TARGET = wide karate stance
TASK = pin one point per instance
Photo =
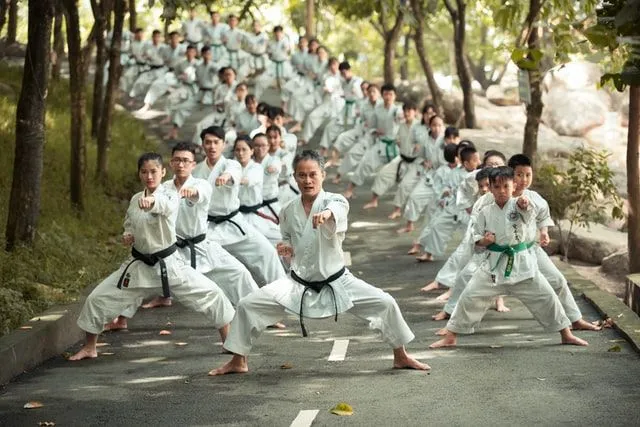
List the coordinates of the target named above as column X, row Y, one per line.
column 313, row 227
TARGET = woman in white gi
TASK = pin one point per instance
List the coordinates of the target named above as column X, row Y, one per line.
column 250, row 193
column 287, row 185
column 150, row 227
column 506, row 230
column 272, row 168
column 313, row 228
column 226, row 225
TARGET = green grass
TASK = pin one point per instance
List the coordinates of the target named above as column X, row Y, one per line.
column 71, row 251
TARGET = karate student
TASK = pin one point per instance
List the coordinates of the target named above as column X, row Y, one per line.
column 448, row 216
column 246, row 120
column 206, row 76
column 257, row 47
column 386, row 122
column 192, row 29
column 150, row 228
column 213, row 35
column 504, row 230
column 250, row 193
column 205, row 255
column 232, row 39
column 272, row 168
column 279, row 50
column 154, row 56
column 226, row 226
column 313, row 228
column 392, row 172
column 222, row 96
column 137, row 62
column 287, row 185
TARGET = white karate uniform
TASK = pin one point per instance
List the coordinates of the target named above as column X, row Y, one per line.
column 250, row 196
column 236, row 235
column 344, row 118
column 154, row 55
column 192, row 30
column 511, row 226
column 211, row 259
column 213, row 37
column 412, row 172
column 256, row 45
column 174, row 59
column 332, row 103
column 153, row 230
column 222, row 95
column 137, row 64
column 271, row 205
column 288, row 187
column 206, row 79
column 317, row 255
column 183, row 99
column 233, row 39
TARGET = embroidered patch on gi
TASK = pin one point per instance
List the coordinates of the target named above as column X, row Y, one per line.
column 513, row 216
column 125, row 282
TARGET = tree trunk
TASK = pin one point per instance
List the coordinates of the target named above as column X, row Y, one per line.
column 100, row 13
column 104, row 134
column 389, row 56
column 58, row 41
column 462, row 67
column 77, row 72
column 24, row 202
column 133, row 16
column 12, row 25
column 309, row 18
column 534, row 109
column 418, row 38
column 4, row 5
column 404, row 67
column 633, row 179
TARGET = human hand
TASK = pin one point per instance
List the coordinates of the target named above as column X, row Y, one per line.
column 320, row 218
column 188, row 193
column 272, row 169
column 244, row 181
column 523, row 203
column 128, row 239
column 488, row 239
column 223, row 179
column 146, row 203
column 544, row 238
column 284, row 249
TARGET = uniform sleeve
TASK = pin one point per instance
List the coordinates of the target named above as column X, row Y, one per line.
column 339, row 207
column 166, row 203
column 466, row 192
column 235, row 170
column 204, row 192
column 543, row 213
column 128, row 226
column 255, row 176
column 480, row 226
column 285, row 229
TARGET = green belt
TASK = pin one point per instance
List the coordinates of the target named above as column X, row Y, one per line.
column 279, row 69
column 510, row 252
column 348, row 109
column 391, row 148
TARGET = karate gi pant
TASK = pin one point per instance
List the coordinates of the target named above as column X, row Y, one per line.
column 260, row 309
column 145, row 80
column 457, row 261
column 315, row 119
column 374, row 158
column 559, row 284
column 129, row 76
column 160, row 87
column 462, row 279
column 353, row 158
column 347, row 139
column 422, row 197
column 408, row 182
column 267, row 228
column 389, row 175
column 196, row 291
column 437, row 235
column 535, row 293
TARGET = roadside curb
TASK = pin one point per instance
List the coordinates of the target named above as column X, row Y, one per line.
column 625, row 320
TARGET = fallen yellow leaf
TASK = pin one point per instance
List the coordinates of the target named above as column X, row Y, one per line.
column 615, row 349
column 286, row 365
column 165, row 332
column 33, row 405
column 26, row 328
column 342, row 409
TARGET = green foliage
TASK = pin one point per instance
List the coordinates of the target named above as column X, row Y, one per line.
column 70, row 252
column 582, row 193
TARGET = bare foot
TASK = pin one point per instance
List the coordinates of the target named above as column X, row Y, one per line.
column 395, row 214
column 237, row 365
column 444, row 297
column 573, row 340
column 371, row 205
column 336, row 179
column 158, row 302
column 405, row 229
column 348, row 194
column 442, row 315
column 500, row 307
column 449, row 340
column 426, row 257
column 166, row 120
column 583, row 325
column 402, row 360
column 431, row 286
column 415, row 249
column 278, row 325
column 116, row 324
column 442, row 332
column 86, row 352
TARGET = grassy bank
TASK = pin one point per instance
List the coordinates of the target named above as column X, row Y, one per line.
column 71, row 251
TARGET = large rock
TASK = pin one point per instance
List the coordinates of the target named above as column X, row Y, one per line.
column 592, row 245
column 576, row 75
column 503, row 96
column 452, row 105
column 574, row 112
column 616, row 264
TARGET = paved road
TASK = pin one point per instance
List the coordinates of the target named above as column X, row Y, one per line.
column 509, row 373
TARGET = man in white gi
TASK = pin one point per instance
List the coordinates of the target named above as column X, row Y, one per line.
column 225, row 225
column 232, row 39
column 213, row 35
column 313, row 228
column 192, row 29
column 154, row 55
column 137, row 62
column 206, row 76
column 222, row 97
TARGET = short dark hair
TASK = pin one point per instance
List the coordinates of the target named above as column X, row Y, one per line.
column 149, row 157
column 192, row 46
column 483, row 174
column 274, row 128
column 249, row 98
column 216, row 131
column 156, row 32
column 174, row 33
column 388, row 87
column 333, row 60
column 450, row 131
column 139, row 30
column 277, row 29
column 409, row 106
column 435, row 116
column 428, row 106
column 184, row 146
column 519, row 160
column 243, row 84
column 450, row 153
column 258, row 135
column 204, row 49
column 493, row 153
column 263, row 108
column 243, row 138
column 274, row 112
column 308, row 155
column 344, row 65
column 500, row 173
column 466, row 153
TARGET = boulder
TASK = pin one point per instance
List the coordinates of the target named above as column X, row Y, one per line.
column 616, row 264
column 576, row 75
column 503, row 96
column 592, row 245
column 574, row 112
column 452, row 105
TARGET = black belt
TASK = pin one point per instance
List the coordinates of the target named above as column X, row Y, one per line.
column 250, row 209
column 268, row 203
column 300, row 74
column 205, row 89
column 294, row 189
column 219, row 219
column 405, row 159
column 317, row 287
column 191, row 243
column 150, row 260
column 156, row 67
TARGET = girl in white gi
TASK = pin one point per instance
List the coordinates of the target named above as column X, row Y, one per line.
column 386, row 122
column 250, row 193
column 313, row 228
column 272, row 168
column 150, row 228
column 392, row 172
column 205, row 255
column 226, row 225
column 448, row 216
column 422, row 195
column 213, row 35
column 506, row 230
column 287, row 185
column 222, row 97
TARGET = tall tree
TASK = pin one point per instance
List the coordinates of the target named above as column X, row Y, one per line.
column 77, row 71
column 133, row 16
column 404, row 65
column 309, row 21
column 419, row 12
column 534, row 108
column 458, row 18
column 12, row 25
column 58, row 41
column 101, row 11
column 4, row 5
column 104, row 134
column 24, row 202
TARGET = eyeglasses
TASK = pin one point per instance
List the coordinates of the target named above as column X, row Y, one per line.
column 181, row 160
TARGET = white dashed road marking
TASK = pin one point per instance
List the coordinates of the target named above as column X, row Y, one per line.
column 339, row 350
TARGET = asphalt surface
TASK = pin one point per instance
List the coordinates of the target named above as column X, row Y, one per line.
column 509, row 373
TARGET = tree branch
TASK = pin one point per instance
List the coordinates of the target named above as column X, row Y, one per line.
column 450, row 8
column 245, row 9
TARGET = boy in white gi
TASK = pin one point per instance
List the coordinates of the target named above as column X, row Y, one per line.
column 154, row 56
column 313, row 228
column 506, row 230
column 256, row 43
column 226, row 226
column 232, row 39
column 150, row 228
column 192, row 29
column 287, row 186
column 222, row 96
column 213, row 35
